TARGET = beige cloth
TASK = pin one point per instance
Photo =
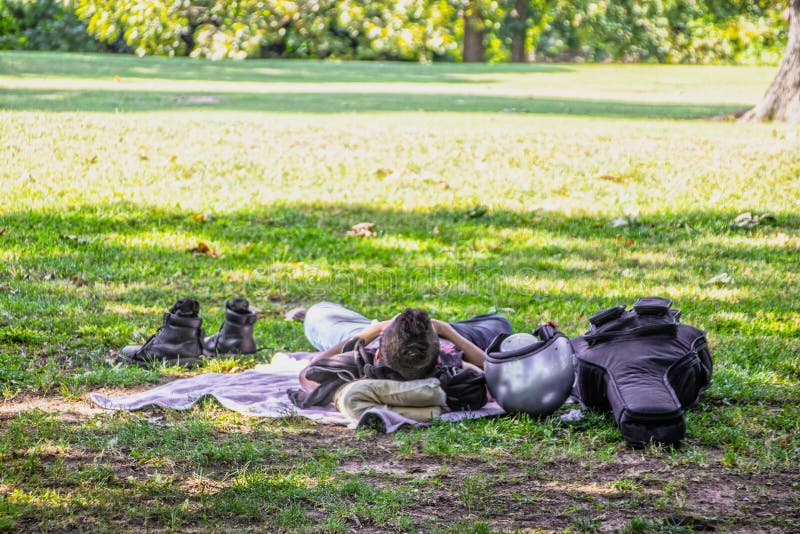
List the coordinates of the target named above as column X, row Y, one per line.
column 421, row 400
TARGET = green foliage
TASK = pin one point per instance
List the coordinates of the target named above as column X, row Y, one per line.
column 10, row 37
column 665, row 31
column 673, row 31
column 416, row 29
column 42, row 25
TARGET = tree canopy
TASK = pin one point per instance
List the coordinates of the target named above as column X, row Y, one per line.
column 674, row 31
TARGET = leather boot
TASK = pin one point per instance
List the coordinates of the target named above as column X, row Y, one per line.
column 179, row 341
column 235, row 336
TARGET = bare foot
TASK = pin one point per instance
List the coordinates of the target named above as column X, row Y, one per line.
column 296, row 314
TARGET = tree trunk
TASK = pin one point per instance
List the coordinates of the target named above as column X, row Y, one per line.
column 474, row 50
column 518, row 27
column 782, row 100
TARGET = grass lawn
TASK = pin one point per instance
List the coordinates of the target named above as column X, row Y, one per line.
column 544, row 191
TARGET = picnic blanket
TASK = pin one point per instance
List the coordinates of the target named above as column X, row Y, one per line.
column 261, row 392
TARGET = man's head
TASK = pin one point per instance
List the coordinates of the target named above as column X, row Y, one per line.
column 409, row 345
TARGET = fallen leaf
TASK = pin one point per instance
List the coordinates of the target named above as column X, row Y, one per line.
column 748, row 220
column 199, row 217
column 3, row 231
column 77, row 239
column 611, row 178
column 173, row 158
column 144, row 157
column 743, row 219
column 203, row 248
column 247, row 248
column 93, row 160
column 475, row 212
column 382, row 172
column 444, row 185
column 574, row 414
column 363, row 229
column 721, row 278
column 78, row 281
column 117, row 79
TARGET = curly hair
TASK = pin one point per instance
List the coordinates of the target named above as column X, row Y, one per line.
column 409, row 345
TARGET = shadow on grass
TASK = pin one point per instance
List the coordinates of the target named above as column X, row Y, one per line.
column 127, row 243
column 106, row 66
column 88, row 278
column 110, row 475
column 120, row 100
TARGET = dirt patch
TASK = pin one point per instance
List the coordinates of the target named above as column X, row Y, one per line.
column 67, row 410
column 197, row 99
column 378, row 467
column 564, row 495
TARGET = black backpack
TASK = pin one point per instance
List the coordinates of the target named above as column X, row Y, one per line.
column 644, row 366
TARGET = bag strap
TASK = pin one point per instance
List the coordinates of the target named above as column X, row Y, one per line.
column 646, row 330
column 652, row 306
column 546, row 331
column 603, row 316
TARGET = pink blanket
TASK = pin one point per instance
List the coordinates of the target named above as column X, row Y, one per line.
column 262, row 393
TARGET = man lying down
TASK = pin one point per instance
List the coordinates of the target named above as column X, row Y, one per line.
column 412, row 364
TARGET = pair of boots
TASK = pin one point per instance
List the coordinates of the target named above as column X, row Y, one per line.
column 181, row 339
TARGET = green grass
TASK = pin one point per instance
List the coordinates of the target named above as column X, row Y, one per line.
column 491, row 187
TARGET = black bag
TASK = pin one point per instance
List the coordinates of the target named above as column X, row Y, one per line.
column 644, row 366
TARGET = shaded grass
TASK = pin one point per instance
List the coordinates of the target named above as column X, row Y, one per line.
column 209, row 467
column 98, row 66
column 528, row 257
column 120, row 100
column 551, row 212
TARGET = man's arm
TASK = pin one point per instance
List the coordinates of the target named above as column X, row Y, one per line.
column 368, row 334
column 472, row 353
column 373, row 331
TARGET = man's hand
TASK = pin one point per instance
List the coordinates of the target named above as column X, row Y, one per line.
column 472, row 353
column 374, row 330
column 441, row 328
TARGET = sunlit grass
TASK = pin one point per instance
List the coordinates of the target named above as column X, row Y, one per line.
column 546, row 192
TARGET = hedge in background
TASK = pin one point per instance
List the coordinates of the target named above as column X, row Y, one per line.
column 667, row 31
column 348, row 29
column 43, row 25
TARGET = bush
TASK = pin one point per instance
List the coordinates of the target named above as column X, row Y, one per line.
column 10, row 37
column 666, row 31
column 43, row 25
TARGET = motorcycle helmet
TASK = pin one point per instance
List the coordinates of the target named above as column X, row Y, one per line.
column 535, row 378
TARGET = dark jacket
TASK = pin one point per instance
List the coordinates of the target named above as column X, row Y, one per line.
column 465, row 388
